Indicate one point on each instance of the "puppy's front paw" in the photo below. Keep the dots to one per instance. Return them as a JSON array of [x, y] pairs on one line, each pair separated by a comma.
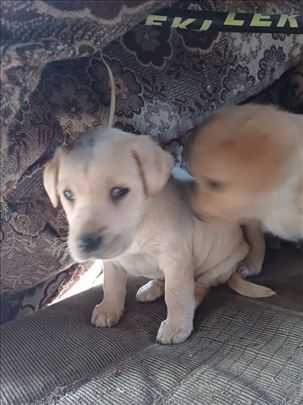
[[150, 291], [168, 334], [103, 315]]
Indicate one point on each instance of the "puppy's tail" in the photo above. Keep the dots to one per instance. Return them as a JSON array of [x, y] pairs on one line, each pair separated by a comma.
[[247, 288]]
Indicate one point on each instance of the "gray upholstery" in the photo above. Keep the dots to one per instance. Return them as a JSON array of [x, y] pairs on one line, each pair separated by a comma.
[[242, 351]]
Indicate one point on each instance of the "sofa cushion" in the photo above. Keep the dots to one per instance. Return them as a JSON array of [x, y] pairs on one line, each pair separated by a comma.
[[241, 351]]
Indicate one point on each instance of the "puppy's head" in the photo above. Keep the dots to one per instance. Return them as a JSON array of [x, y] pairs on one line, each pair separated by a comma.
[[104, 181], [238, 157]]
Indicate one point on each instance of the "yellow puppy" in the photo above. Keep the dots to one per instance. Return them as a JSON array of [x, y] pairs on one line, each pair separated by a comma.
[[123, 207], [248, 163]]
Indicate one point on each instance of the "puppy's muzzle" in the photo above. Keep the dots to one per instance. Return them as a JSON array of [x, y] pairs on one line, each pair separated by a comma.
[[90, 242]]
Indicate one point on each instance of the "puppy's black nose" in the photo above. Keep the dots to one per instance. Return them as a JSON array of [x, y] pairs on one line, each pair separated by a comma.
[[89, 242]]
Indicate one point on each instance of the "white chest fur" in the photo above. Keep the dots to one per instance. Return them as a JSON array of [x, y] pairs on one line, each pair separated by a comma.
[[141, 264], [284, 218], [284, 222]]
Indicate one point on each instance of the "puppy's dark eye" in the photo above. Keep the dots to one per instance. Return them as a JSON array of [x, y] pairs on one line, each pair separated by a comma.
[[117, 193], [69, 195], [214, 185]]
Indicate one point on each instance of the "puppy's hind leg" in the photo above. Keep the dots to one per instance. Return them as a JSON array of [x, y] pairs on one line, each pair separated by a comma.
[[110, 310], [150, 291], [253, 262]]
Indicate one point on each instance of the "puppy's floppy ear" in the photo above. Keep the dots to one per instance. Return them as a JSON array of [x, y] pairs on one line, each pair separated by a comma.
[[155, 165], [50, 177]]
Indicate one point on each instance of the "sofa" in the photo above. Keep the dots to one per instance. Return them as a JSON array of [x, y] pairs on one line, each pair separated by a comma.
[[55, 86]]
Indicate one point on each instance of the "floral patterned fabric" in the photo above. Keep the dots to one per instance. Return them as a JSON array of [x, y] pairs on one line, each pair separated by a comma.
[[55, 86]]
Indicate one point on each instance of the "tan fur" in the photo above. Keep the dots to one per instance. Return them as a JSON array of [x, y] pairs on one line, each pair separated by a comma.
[[50, 178], [253, 262], [255, 152], [247, 288], [151, 232]]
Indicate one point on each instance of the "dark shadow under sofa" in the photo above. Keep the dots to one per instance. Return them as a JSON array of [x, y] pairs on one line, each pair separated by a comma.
[[55, 86]]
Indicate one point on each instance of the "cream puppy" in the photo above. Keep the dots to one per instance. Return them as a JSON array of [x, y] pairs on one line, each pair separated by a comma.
[[123, 207], [248, 163]]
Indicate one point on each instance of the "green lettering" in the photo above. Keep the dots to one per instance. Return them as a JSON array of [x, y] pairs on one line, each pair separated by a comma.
[[157, 20], [230, 20], [259, 20], [178, 23], [206, 24], [293, 23]]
